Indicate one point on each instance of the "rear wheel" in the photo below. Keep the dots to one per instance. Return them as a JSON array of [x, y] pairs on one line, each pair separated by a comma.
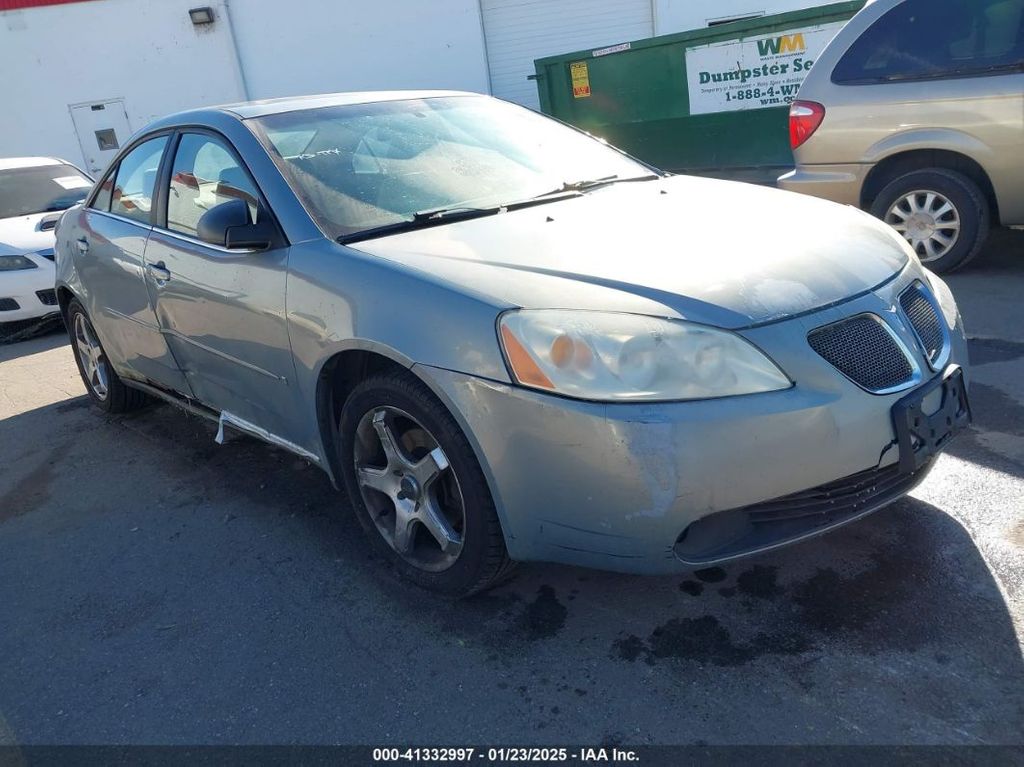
[[417, 488], [941, 213], [103, 385]]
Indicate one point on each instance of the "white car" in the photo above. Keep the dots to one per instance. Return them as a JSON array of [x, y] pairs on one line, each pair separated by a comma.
[[34, 192]]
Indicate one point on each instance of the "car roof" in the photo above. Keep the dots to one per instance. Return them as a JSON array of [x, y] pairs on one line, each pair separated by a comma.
[[10, 163], [248, 109]]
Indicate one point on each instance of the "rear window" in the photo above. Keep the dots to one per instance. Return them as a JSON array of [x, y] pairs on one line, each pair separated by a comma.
[[41, 189], [926, 39]]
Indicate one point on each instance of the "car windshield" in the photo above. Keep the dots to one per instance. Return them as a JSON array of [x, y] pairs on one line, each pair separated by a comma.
[[40, 189], [368, 167]]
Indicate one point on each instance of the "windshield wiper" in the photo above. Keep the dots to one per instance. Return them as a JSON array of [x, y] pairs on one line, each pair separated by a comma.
[[420, 220], [585, 185], [457, 213], [436, 216]]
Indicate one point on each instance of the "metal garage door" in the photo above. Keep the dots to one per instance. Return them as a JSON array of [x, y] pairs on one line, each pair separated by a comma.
[[519, 31]]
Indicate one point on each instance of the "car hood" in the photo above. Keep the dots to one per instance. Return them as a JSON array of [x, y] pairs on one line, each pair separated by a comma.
[[22, 234], [717, 252]]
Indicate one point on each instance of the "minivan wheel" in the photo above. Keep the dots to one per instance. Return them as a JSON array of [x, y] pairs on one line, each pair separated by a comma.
[[103, 385], [417, 488], [941, 213]]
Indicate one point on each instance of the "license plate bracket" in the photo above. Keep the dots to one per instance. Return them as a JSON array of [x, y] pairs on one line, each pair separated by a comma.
[[919, 436]]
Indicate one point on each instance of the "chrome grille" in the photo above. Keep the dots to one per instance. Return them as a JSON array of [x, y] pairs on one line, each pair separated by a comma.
[[925, 321], [863, 350]]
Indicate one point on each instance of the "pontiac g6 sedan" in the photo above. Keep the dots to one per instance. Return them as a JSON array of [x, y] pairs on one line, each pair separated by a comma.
[[508, 340]]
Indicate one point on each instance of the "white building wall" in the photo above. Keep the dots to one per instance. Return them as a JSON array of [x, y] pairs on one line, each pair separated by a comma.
[[322, 46], [148, 53], [143, 51]]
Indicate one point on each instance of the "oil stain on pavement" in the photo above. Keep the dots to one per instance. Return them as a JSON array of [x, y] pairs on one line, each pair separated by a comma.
[[863, 606]]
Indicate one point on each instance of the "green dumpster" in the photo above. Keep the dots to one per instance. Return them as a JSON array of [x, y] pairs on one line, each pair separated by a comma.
[[711, 102]]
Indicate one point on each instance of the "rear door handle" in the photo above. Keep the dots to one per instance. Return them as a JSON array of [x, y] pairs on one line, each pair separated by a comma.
[[160, 272], [83, 245]]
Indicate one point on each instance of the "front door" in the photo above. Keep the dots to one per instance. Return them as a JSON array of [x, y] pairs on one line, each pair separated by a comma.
[[102, 127], [222, 311], [108, 244]]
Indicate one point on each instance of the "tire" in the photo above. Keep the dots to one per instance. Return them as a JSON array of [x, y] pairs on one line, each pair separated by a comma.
[[969, 208], [411, 413], [104, 386]]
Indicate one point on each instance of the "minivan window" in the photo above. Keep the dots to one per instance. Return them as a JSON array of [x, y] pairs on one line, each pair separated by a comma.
[[132, 196], [925, 39], [205, 174]]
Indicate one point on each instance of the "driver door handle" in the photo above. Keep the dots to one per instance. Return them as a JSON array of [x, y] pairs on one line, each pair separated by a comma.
[[160, 272], [83, 245]]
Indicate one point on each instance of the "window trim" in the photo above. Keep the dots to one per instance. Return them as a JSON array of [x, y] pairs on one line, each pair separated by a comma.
[[162, 196], [115, 164], [1008, 70]]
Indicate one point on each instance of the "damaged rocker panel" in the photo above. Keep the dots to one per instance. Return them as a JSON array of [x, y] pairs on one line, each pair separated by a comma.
[[224, 419]]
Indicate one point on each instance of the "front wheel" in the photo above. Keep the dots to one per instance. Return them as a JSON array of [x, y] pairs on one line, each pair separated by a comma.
[[941, 213], [103, 385], [417, 488]]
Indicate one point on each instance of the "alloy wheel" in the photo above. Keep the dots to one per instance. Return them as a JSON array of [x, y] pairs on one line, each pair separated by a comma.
[[409, 488], [928, 221], [91, 356]]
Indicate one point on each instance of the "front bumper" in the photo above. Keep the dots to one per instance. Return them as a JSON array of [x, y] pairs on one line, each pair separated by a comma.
[[614, 486], [31, 290], [838, 183]]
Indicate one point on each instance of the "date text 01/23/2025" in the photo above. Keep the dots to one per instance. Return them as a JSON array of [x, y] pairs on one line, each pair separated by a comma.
[[504, 754]]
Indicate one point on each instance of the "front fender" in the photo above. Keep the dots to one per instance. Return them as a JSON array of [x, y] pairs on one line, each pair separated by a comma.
[[339, 300]]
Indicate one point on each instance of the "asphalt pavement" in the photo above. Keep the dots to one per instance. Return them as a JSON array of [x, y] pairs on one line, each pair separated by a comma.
[[158, 588]]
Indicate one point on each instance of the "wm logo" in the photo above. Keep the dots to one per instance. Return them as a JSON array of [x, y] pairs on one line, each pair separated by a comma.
[[784, 44]]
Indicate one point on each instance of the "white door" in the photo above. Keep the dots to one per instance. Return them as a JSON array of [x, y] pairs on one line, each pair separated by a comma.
[[519, 31], [102, 127]]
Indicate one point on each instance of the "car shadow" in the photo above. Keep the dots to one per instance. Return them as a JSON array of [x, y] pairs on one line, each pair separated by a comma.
[[34, 337], [24, 330], [150, 567]]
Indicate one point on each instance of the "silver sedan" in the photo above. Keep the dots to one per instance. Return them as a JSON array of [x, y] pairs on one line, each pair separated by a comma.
[[509, 341]]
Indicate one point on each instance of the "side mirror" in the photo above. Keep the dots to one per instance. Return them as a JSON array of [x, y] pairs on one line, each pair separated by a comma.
[[229, 226]]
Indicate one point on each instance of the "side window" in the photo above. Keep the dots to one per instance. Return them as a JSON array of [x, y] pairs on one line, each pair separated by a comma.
[[921, 39], [205, 174], [105, 193], [132, 195]]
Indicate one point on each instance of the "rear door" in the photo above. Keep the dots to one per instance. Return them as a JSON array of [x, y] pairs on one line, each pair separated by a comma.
[[223, 311], [108, 245]]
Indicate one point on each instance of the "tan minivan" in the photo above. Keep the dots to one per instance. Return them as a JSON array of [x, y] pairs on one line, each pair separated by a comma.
[[915, 112]]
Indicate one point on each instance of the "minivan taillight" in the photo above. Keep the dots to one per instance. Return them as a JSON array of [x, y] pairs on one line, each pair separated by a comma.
[[804, 119]]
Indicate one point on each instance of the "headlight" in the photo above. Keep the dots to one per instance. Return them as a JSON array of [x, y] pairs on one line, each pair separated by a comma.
[[629, 357], [945, 298], [15, 263]]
